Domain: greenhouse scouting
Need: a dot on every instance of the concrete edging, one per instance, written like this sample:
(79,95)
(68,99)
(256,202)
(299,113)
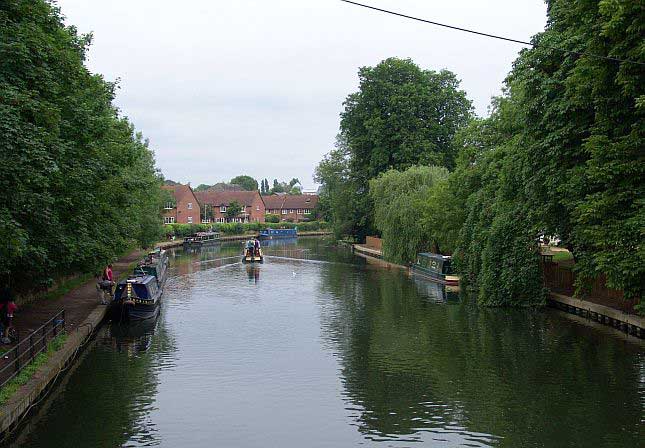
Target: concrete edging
(29,393)
(628,323)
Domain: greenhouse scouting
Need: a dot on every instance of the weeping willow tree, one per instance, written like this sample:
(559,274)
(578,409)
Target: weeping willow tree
(402,201)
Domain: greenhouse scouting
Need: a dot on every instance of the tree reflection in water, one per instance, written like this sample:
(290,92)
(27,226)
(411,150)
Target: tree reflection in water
(415,369)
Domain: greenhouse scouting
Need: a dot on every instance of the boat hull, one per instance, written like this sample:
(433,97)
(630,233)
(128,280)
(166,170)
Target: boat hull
(444,279)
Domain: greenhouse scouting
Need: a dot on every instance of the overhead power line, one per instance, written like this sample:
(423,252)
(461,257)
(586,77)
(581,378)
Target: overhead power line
(492,36)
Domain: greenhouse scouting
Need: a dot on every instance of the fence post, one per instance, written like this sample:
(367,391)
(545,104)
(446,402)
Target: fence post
(16,358)
(31,346)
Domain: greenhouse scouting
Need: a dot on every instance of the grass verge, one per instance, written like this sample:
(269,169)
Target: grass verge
(25,374)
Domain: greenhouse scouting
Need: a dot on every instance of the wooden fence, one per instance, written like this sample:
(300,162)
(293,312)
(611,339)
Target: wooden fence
(374,243)
(562,279)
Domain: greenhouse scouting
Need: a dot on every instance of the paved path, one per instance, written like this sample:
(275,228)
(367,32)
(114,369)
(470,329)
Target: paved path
(78,304)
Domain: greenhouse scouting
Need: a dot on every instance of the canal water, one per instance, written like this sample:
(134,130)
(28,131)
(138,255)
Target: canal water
(318,348)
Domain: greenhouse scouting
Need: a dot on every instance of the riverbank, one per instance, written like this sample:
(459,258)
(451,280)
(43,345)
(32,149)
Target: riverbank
(628,323)
(180,241)
(83,315)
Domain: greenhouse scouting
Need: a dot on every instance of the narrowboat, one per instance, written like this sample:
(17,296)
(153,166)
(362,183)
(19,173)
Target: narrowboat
(137,298)
(155,264)
(201,239)
(435,267)
(271,234)
(252,253)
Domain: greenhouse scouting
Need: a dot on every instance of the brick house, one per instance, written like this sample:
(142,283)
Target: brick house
(293,208)
(183,208)
(214,205)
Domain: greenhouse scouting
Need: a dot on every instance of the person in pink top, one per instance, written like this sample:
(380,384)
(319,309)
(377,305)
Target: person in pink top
(7,307)
(104,287)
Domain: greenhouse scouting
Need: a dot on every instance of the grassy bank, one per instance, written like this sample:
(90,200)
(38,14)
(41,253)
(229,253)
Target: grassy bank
(25,374)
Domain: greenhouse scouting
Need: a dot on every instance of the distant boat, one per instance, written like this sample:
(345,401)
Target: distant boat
(139,296)
(201,239)
(251,253)
(271,234)
(435,267)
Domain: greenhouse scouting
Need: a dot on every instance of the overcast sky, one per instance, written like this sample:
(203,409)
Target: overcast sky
(255,87)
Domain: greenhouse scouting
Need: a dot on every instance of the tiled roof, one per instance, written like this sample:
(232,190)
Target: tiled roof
(295,201)
(181,193)
(218,198)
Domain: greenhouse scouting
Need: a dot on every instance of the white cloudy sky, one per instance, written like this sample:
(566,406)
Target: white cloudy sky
(255,87)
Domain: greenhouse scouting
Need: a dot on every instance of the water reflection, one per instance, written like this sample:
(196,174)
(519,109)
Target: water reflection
(319,348)
(416,370)
(109,396)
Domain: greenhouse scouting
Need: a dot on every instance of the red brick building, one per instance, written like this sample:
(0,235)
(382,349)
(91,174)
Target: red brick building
(183,207)
(215,203)
(293,208)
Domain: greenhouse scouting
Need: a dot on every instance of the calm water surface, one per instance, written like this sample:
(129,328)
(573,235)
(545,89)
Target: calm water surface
(317,348)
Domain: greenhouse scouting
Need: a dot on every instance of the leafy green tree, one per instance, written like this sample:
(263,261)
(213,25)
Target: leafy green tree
(202,187)
(401,116)
(246,182)
(338,195)
(84,184)
(233,209)
(400,200)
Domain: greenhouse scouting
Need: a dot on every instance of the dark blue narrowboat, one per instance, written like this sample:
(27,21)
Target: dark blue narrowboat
(137,298)
(435,267)
(271,234)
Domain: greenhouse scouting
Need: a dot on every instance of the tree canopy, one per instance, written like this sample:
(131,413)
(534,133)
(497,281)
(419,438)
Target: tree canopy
(83,183)
(246,182)
(401,116)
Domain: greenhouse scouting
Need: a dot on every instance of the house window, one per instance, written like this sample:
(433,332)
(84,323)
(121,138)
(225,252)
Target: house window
(300,211)
(206,221)
(222,209)
(307,211)
(190,220)
(257,207)
(169,220)
(284,211)
(292,211)
(169,205)
(190,206)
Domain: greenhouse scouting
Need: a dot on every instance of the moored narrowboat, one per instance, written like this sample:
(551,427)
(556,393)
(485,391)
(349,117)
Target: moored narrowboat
(271,234)
(201,239)
(137,298)
(435,267)
(155,264)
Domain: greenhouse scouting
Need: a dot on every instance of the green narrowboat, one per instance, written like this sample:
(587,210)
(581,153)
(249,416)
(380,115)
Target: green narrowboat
(436,267)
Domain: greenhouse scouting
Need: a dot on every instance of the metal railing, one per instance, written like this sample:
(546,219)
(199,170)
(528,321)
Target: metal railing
(28,348)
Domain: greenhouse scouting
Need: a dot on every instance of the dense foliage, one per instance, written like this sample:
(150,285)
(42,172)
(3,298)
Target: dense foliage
(561,155)
(401,116)
(79,185)
(401,203)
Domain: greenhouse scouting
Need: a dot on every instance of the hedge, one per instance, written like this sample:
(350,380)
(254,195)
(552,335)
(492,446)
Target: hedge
(236,228)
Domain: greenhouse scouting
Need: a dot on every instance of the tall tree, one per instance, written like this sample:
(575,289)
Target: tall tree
(83,182)
(401,116)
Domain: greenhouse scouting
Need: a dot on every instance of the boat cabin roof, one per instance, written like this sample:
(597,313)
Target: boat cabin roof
(138,280)
(434,256)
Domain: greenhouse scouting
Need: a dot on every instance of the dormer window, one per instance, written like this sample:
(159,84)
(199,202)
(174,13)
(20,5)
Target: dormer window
(222,208)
